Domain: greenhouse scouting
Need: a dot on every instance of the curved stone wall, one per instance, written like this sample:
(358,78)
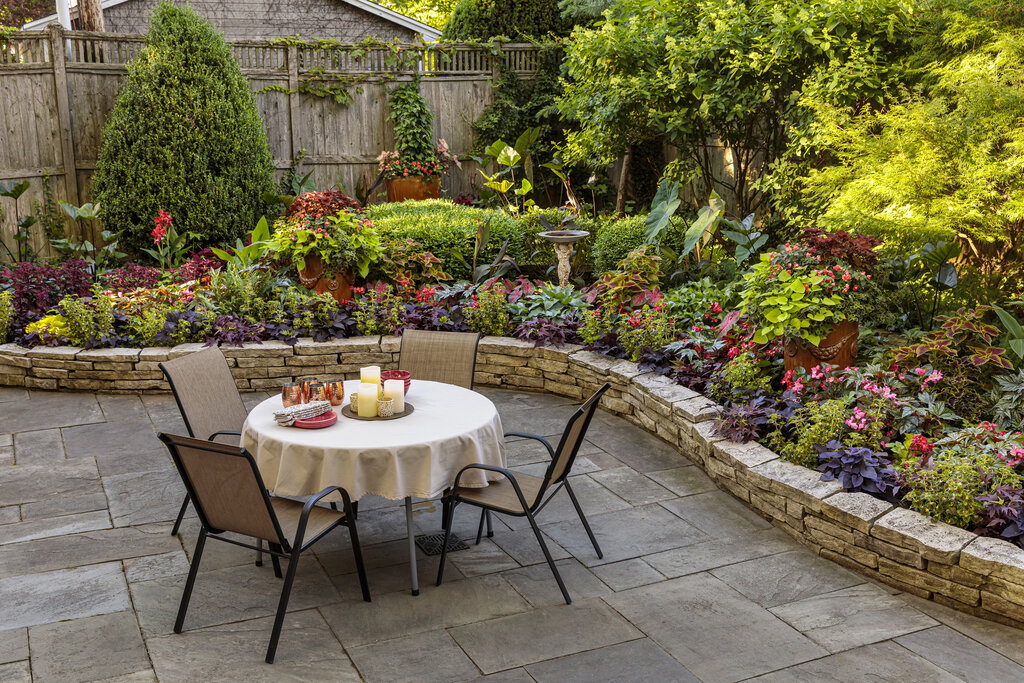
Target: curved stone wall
(982,576)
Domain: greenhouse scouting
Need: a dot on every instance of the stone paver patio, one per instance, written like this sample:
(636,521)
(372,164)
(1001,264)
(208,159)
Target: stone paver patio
(693,585)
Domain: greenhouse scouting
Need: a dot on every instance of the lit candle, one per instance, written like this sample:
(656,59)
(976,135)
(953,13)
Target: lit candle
(367,395)
(370,374)
(395,390)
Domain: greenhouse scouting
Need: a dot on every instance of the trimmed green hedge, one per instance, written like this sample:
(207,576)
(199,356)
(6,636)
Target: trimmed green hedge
(448,231)
(617,238)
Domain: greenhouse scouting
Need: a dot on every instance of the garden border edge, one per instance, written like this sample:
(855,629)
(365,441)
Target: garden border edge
(899,547)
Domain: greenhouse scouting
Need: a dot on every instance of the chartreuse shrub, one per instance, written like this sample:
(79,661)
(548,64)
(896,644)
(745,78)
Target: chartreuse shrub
(6,314)
(90,321)
(948,490)
(184,136)
(448,231)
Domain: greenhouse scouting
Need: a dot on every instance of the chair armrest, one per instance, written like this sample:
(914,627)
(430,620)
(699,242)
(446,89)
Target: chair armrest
(493,468)
(300,532)
(223,432)
(551,451)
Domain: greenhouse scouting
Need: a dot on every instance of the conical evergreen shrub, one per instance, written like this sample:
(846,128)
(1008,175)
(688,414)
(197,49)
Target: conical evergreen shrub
(184,136)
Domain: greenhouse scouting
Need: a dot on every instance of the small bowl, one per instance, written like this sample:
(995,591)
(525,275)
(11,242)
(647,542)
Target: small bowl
(397,374)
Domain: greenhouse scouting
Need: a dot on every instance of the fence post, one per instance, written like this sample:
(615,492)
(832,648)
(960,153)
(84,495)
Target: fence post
(60,87)
(496,58)
(293,98)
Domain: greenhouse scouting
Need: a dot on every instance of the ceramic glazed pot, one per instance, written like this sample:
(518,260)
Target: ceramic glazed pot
(413,187)
(838,348)
(313,277)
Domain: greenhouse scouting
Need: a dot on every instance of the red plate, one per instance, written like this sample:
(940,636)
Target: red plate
(318,422)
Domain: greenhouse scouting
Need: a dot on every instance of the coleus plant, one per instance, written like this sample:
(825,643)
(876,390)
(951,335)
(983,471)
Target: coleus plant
(964,335)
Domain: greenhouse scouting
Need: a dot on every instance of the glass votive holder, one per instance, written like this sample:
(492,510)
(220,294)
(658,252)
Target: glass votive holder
(385,407)
(335,391)
(304,382)
(291,394)
(316,392)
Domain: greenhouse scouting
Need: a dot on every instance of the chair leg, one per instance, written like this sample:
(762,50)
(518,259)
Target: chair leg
(547,556)
(186,595)
(274,558)
(282,606)
(583,518)
(181,516)
(259,552)
(490,529)
(444,541)
(480,527)
(358,553)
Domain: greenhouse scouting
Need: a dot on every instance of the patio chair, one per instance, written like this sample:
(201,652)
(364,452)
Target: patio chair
(448,357)
(522,495)
(207,398)
(228,492)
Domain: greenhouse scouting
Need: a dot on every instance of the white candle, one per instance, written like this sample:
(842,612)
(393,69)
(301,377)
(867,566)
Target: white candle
(370,374)
(395,390)
(367,395)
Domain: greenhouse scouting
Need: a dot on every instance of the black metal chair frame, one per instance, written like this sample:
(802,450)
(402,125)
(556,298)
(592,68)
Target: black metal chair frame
(544,494)
(188,426)
(282,549)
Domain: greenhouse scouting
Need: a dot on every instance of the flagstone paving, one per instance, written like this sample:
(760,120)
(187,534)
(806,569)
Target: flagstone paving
(693,585)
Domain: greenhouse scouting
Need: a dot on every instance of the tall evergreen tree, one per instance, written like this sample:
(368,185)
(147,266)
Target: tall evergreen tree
(184,136)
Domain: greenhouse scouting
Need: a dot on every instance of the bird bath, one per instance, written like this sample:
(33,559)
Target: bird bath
(563,241)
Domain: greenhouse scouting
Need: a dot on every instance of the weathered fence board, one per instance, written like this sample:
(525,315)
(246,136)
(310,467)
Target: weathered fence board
(57,89)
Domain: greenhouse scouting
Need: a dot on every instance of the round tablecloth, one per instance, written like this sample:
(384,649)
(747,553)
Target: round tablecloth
(416,456)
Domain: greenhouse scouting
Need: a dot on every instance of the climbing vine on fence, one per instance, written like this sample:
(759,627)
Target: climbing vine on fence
(397,59)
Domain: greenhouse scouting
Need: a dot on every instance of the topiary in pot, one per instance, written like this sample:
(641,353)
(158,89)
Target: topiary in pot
(184,136)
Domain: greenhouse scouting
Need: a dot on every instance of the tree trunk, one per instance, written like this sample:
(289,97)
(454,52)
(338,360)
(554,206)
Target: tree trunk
(90,15)
(620,197)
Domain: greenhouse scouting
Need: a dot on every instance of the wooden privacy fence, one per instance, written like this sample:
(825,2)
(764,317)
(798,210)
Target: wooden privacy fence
(57,88)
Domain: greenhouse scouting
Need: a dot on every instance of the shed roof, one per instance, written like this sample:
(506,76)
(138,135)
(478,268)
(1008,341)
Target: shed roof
(428,32)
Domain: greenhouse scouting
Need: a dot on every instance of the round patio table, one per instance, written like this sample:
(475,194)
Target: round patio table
(416,456)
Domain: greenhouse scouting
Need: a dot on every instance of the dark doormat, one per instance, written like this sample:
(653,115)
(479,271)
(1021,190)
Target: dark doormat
(430,544)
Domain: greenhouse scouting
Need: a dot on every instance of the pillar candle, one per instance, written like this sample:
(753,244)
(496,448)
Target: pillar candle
(367,395)
(370,374)
(395,390)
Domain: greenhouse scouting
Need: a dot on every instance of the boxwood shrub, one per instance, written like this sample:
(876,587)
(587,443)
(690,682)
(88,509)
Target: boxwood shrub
(616,238)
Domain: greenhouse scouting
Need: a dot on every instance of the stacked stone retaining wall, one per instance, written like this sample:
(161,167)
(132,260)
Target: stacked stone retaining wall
(982,576)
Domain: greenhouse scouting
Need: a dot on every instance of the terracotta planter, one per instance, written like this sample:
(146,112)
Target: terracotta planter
(313,277)
(413,187)
(838,348)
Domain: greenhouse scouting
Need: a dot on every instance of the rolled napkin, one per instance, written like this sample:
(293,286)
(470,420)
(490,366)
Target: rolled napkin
(303,411)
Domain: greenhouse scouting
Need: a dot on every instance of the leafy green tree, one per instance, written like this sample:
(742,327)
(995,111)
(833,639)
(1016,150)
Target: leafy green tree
(946,162)
(730,71)
(184,136)
(431,12)
(515,19)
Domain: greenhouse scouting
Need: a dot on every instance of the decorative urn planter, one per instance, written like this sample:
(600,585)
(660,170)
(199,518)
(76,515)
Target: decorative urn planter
(413,187)
(838,348)
(313,277)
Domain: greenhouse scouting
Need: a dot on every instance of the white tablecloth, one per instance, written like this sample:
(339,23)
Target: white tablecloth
(416,456)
